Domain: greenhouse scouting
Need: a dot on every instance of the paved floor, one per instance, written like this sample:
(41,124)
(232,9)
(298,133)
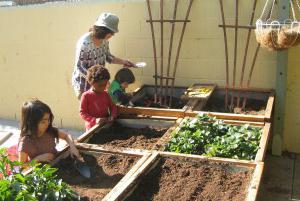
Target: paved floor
(281,178)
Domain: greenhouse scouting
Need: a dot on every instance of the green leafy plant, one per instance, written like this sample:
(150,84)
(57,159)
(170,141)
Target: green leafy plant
(208,136)
(39,185)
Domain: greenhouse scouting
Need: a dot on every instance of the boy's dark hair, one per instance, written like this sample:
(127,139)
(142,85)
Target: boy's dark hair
(100,32)
(125,75)
(32,113)
(97,73)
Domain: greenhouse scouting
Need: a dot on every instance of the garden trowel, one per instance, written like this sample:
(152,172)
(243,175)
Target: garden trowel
(82,168)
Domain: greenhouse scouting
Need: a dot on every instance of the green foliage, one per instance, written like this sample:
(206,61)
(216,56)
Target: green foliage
(208,136)
(40,185)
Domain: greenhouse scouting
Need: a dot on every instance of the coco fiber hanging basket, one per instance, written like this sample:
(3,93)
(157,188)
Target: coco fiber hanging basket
(275,35)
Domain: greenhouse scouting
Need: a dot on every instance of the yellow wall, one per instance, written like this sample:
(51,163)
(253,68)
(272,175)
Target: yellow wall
(38,47)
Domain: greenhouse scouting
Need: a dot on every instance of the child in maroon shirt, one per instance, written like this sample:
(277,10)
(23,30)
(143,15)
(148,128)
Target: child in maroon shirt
(96,105)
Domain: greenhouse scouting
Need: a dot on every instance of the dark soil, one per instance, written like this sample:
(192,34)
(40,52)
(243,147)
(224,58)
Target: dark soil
(254,107)
(106,171)
(120,136)
(147,101)
(189,181)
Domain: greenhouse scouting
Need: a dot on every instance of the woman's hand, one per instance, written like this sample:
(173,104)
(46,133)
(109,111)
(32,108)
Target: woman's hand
(128,64)
(47,157)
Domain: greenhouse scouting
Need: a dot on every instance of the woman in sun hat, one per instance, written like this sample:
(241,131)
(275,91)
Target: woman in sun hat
(93,49)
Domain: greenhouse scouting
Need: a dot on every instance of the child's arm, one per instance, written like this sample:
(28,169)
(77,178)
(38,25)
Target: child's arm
(47,157)
(84,111)
(68,138)
(113,110)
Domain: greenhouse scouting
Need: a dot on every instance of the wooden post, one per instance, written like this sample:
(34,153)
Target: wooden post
(281,75)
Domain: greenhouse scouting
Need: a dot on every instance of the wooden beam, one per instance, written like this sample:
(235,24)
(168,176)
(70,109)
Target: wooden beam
(97,148)
(263,145)
(171,21)
(229,116)
(127,185)
(269,108)
(84,137)
(151,111)
(239,26)
(255,182)
(5,136)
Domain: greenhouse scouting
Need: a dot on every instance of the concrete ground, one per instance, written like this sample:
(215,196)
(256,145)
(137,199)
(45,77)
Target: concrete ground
(281,178)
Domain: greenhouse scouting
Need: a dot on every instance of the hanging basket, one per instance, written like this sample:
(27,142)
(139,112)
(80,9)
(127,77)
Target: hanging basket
(275,35)
(267,34)
(289,35)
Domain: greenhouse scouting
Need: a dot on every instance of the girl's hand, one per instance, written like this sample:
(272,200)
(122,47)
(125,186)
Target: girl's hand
(101,120)
(110,119)
(74,151)
(47,157)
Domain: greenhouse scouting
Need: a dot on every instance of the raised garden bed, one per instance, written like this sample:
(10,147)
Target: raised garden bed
(207,136)
(259,105)
(145,105)
(167,176)
(108,168)
(132,133)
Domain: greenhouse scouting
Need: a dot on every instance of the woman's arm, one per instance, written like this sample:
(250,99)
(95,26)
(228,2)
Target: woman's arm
(68,138)
(126,63)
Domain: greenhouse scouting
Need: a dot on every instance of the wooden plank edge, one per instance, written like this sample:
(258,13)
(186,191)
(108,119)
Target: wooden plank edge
(124,116)
(228,116)
(238,122)
(151,111)
(190,105)
(206,158)
(127,184)
(250,89)
(255,182)
(165,137)
(270,106)
(5,136)
(97,148)
(263,145)
(88,133)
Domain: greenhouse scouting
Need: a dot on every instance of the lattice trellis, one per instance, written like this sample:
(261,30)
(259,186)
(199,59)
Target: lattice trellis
(165,75)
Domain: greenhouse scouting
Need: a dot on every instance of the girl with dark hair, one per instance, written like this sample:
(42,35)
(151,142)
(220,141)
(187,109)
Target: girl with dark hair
(117,88)
(93,49)
(96,105)
(38,137)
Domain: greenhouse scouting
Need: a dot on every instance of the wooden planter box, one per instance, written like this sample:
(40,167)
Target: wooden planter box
(177,176)
(264,97)
(114,167)
(138,133)
(149,90)
(263,145)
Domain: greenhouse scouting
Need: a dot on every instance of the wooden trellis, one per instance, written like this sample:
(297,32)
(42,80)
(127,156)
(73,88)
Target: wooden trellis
(234,85)
(164,77)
